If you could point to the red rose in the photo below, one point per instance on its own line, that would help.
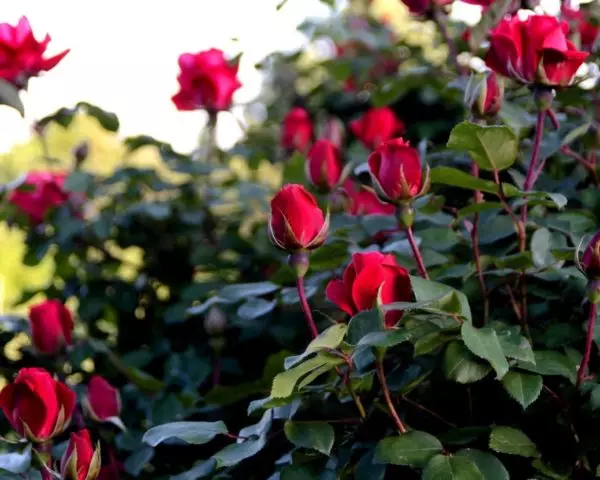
(207, 81)
(396, 170)
(47, 194)
(102, 401)
(487, 96)
(36, 405)
(588, 32)
(51, 326)
(81, 460)
(365, 202)
(297, 130)
(296, 222)
(324, 165)
(534, 51)
(369, 277)
(590, 262)
(21, 55)
(376, 125)
(419, 7)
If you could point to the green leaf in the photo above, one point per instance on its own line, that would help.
(550, 362)
(363, 323)
(200, 470)
(318, 436)
(478, 207)
(78, 181)
(296, 472)
(16, 462)
(486, 463)
(385, 338)
(236, 452)
(525, 388)
(461, 366)
(458, 178)
(196, 433)
(330, 338)
(135, 463)
(484, 343)
(464, 435)
(284, 383)
(492, 147)
(512, 442)
(414, 448)
(443, 298)
(255, 307)
(514, 345)
(9, 96)
(240, 291)
(442, 467)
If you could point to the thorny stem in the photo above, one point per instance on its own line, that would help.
(589, 340)
(440, 21)
(416, 253)
(305, 308)
(478, 197)
(386, 394)
(355, 397)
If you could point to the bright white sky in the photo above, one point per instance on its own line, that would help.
(124, 57)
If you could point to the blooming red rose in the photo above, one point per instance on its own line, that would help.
(297, 130)
(534, 51)
(419, 7)
(296, 222)
(396, 170)
(590, 262)
(486, 96)
(102, 401)
(47, 194)
(207, 81)
(21, 55)
(81, 460)
(376, 125)
(324, 165)
(51, 326)
(371, 278)
(36, 405)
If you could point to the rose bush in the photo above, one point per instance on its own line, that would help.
(395, 275)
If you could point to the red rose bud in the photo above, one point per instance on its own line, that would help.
(22, 56)
(37, 406)
(47, 193)
(81, 460)
(102, 401)
(590, 262)
(334, 131)
(51, 326)
(296, 222)
(207, 81)
(371, 279)
(484, 96)
(297, 130)
(324, 165)
(215, 321)
(534, 51)
(376, 126)
(396, 171)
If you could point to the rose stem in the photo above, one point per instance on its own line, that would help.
(588, 344)
(476, 252)
(305, 308)
(416, 253)
(386, 394)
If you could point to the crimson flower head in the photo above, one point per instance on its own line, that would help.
(588, 31)
(534, 51)
(377, 125)
(296, 222)
(590, 262)
(324, 165)
(51, 326)
(47, 193)
(420, 7)
(102, 401)
(37, 406)
(485, 97)
(21, 55)
(371, 279)
(81, 460)
(396, 171)
(207, 81)
(297, 130)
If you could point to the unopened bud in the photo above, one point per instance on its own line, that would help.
(484, 95)
(215, 321)
(590, 262)
(299, 262)
(80, 153)
(593, 292)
